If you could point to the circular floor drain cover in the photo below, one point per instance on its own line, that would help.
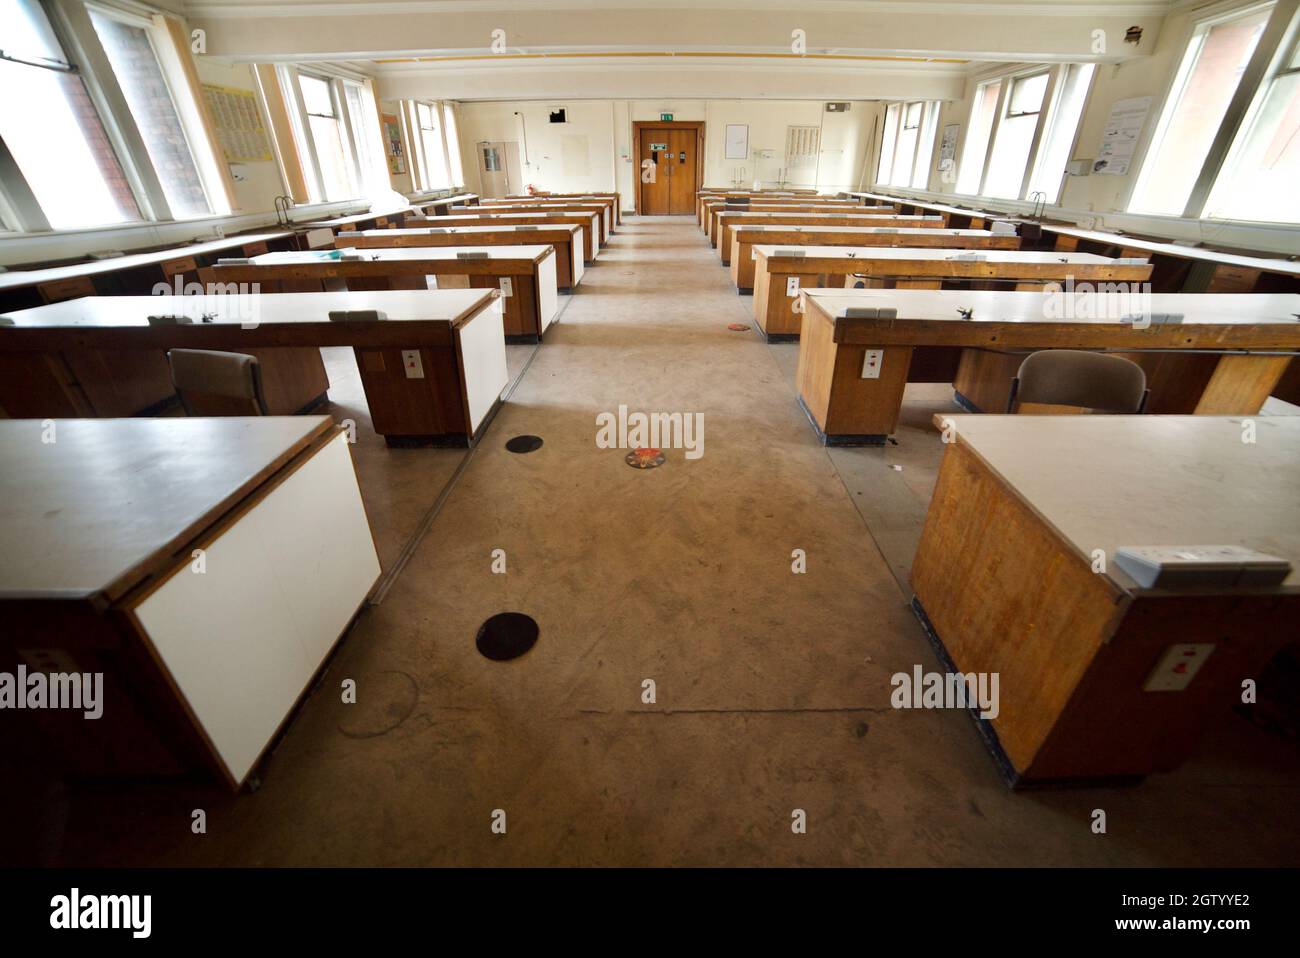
(737, 327)
(507, 635)
(524, 444)
(644, 458)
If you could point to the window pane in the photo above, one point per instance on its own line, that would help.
(373, 171)
(329, 154)
(925, 147)
(1262, 181)
(136, 67)
(1027, 95)
(977, 138)
(885, 168)
(53, 131)
(1015, 137)
(328, 139)
(453, 145)
(1010, 153)
(435, 163)
(1210, 74)
(905, 151)
(1062, 124)
(316, 95)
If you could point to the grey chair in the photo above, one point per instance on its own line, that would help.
(1073, 377)
(212, 383)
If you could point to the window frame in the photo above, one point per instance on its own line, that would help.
(415, 137)
(196, 139)
(347, 137)
(1279, 42)
(927, 129)
(1198, 196)
(1002, 112)
(1047, 115)
(72, 27)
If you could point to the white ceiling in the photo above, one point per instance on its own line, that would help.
(854, 49)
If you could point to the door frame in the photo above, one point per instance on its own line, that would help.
(639, 126)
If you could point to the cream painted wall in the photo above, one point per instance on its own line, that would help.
(594, 150)
(561, 157)
(256, 183)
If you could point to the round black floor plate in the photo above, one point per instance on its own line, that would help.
(524, 444)
(507, 635)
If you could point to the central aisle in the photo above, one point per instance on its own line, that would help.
(765, 680)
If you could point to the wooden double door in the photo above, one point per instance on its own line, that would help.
(668, 170)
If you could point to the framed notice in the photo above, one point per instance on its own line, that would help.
(237, 122)
(737, 141)
(948, 146)
(393, 143)
(1119, 141)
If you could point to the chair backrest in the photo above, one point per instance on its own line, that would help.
(1072, 377)
(212, 383)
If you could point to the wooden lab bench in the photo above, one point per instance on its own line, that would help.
(601, 216)
(607, 202)
(447, 399)
(727, 221)
(587, 221)
(133, 273)
(779, 273)
(566, 238)
(1006, 581)
(525, 276)
(1245, 341)
(616, 197)
(443, 204)
(955, 217)
(205, 567)
(745, 238)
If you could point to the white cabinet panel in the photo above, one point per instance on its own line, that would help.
(242, 639)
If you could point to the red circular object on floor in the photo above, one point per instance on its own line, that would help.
(737, 327)
(644, 458)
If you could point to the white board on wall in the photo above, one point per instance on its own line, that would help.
(737, 141)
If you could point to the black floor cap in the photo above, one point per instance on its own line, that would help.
(524, 444)
(507, 635)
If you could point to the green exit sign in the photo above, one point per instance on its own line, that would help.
(665, 117)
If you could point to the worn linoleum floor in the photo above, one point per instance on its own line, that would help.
(771, 689)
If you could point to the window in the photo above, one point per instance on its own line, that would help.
(973, 154)
(131, 54)
(1062, 125)
(453, 144)
(335, 169)
(1203, 89)
(908, 144)
(119, 142)
(1021, 132)
(888, 142)
(432, 158)
(1014, 138)
(1261, 178)
(54, 134)
(362, 120)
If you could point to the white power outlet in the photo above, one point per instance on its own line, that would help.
(871, 363)
(1177, 667)
(507, 286)
(792, 286)
(413, 364)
